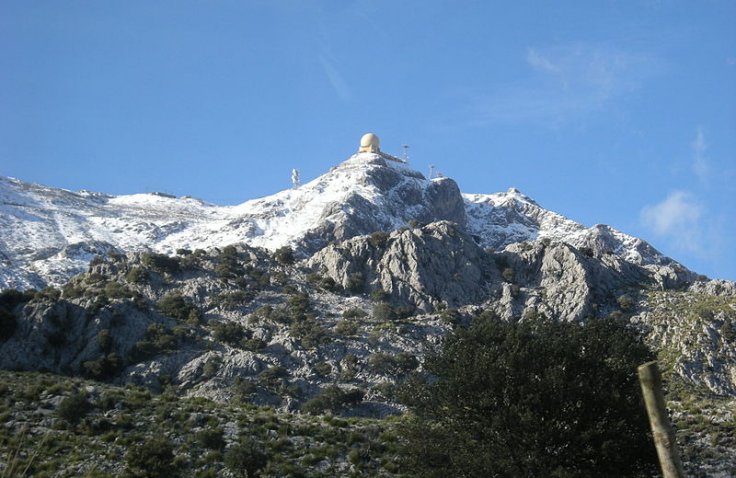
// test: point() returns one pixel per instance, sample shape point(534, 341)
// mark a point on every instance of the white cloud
point(566, 81)
point(700, 165)
point(678, 219)
point(336, 80)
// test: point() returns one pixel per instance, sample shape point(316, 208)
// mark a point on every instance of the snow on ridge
point(49, 234)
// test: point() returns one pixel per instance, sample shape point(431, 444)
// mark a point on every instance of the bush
point(383, 311)
point(284, 255)
point(153, 458)
point(102, 368)
point(8, 324)
point(533, 398)
point(346, 328)
point(332, 399)
point(11, 298)
point(354, 313)
point(625, 303)
point(116, 290)
point(160, 263)
point(73, 408)
point(384, 363)
point(211, 438)
point(246, 459)
point(228, 332)
point(378, 239)
point(355, 283)
point(136, 275)
point(380, 295)
point(156, 339)
point(174, 305)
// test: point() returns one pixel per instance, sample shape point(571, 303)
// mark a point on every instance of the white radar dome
point(369, 143)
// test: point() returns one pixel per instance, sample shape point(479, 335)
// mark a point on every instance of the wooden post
point(664, 438)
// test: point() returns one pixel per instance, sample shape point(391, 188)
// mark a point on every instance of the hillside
point(325, 300)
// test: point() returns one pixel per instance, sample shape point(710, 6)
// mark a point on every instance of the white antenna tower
point(406, 152)
point(295, 181)
point(431, 171)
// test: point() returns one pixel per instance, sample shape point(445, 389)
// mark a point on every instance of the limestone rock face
point(420, 267)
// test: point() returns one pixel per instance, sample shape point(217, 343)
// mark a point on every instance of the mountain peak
point(51, 234)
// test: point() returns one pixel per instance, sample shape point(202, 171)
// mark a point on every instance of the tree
point(73, 408)
point(245, 459)
point(284, 255)
point(153, 458)
point(532, 398)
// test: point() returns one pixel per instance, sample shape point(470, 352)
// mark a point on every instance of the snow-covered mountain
point(50, 234)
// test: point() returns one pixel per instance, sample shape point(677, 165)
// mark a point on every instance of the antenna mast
point(295, 181)
point(406, 152)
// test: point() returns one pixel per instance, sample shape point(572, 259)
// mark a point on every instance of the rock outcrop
point(420, 267)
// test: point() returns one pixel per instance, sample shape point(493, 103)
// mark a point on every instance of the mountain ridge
point(52, 234)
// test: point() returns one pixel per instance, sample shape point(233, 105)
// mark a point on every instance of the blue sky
point(615, 112)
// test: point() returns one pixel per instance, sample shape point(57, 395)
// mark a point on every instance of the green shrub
point(48, 293)
point(332, 399)
point(228, 332)
point(383, 311)
point(176, 306)
point(384, 363)
point(73, 408)
point(323, 369)
point(489, 406)
point(380, 295)
point(378, 239)
point(104, 340)
point(309, 332)
point(156, 339)
point(346, 328)
point(116, 290)
point(154, 458)
point(246, 458)
point(234, 299)
point(8, 324)
point(160, 263)
point(211, 438)
point(625, 303)
point(11, 298)
point(284, 255)
point(102, 368)
point(355, 283)
point(353, 313)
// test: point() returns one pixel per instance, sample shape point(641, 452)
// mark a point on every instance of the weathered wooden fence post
point(664, 437)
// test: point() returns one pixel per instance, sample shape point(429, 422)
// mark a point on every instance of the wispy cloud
point(700, 165)
point(341, 87)
point(677, 219)
point(564, 82)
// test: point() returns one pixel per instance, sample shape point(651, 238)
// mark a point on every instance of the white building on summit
point(369, 143)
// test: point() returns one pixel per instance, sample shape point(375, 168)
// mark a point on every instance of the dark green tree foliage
point(228, 266)
point(9, 300)
point(73, 408)
point(176, 306)
point(246, 459)
point(8, 324)
point(160, 262)
point(284, 255)
point(151, 459)
point(332, 399)
point(530, 399)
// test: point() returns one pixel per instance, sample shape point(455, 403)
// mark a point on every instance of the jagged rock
point(420, 267)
